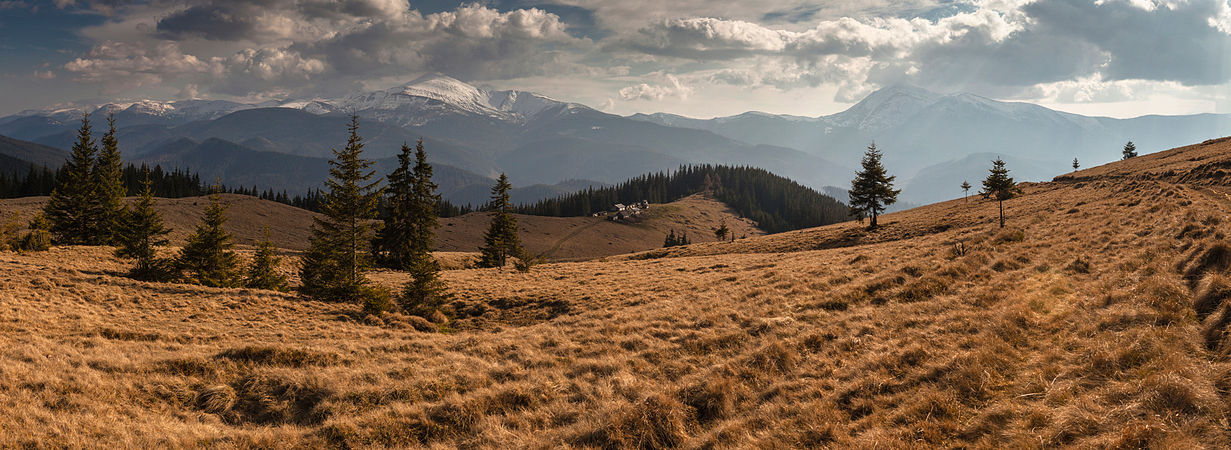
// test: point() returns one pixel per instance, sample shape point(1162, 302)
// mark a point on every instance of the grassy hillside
point(1096, 319)
point(552, 237)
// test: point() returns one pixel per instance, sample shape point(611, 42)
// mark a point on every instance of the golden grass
point(830, 337)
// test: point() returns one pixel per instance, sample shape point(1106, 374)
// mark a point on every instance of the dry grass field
point(1097, 318)
point(554, 238)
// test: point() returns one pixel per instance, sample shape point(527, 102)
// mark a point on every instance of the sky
point(699, 58)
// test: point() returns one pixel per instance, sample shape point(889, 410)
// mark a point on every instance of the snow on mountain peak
point(886, 107)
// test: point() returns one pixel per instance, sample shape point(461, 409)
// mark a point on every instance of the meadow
point(1096, 318)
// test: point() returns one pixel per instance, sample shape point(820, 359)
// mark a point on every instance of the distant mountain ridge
point(538, 140)
point(918, 129)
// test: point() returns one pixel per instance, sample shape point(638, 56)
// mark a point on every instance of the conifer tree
point(73, 203)
point(263, 272)
point(409, 228)
point(721, 232)
point(1075, 164)
point(501, 241)
point(108, 179)
point(332, 268)
point(965, 191)
point(207, 258)
point(999, 186)
point(872, 189)
point(671, 240)
point(141, 233)
point(1130, 150)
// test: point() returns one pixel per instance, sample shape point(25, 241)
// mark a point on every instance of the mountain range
point(931, 141)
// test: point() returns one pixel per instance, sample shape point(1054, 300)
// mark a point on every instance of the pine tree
point(721, 232)
point(263, 272)
point(409, 228)
point(1130, 150)
point(332, 268)
point(207, 257)
point(108, 179)
point(74, 201)
point(501, 241)
point(965, 191)
point(1075, 164)
point(999, 186)
point(140, 233)
point(671, 240)
point(872, 189)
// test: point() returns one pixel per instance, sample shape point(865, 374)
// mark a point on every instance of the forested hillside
point(776, 203)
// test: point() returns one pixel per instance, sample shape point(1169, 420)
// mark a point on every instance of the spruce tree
point(1075, 164)
point(332, 268)
point(501, 241)
point(1130, 150)
point(965, 191)
point(721, 232)
point(410, 226)
point(73, 203)
point(999, 186)
point(872, 189)
point(108, 179)
point(263, 272)
point(207, 258)
point(141, 233)
point(671, 240)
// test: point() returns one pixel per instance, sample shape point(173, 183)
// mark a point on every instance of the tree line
point(87, 207)
point(776, 203)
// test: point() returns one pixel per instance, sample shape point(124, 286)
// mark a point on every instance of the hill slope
point(1097, 319)
point(555, 238)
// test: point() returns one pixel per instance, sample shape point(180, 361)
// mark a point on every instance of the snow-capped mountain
point(885, 108)
point(435, 97)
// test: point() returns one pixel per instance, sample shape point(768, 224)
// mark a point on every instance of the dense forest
point(776, 203)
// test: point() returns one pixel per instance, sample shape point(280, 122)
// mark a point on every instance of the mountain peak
point(886, 107)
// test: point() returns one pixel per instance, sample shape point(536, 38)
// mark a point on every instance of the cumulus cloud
point(287, 45)
point(1064, 50)
point(670, 87)
point(999, 47)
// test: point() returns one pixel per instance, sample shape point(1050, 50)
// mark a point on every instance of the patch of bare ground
point(1097, 319)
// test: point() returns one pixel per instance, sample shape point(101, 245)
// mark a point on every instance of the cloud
point(44, 74)
point(280, 46)
point(997, 47)
point(671, 87)
point(470, 43)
